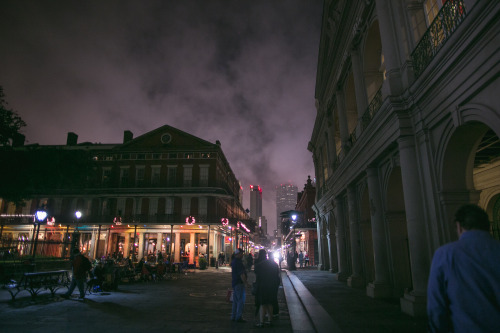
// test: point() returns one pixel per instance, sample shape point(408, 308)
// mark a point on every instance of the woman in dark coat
point(268, 279)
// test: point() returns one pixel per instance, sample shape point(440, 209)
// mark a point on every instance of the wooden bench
point(36, 282)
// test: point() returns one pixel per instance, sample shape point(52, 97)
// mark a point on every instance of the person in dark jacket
point(81, 265)
point(238, 282)
point(267, 278)
point(249, 261)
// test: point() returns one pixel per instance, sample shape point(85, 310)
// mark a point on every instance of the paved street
point(196, 303)
point(192, 303)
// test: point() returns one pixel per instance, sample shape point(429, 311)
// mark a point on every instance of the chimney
point(127, 136)
point(72, 139)
point(18, 140)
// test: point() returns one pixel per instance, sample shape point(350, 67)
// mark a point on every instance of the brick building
point(165, 190)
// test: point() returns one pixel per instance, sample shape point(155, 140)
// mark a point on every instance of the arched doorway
point(398, 234)
point(470, 174)
point(495, 217)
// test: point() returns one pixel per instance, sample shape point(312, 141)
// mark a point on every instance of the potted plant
point(203, 263)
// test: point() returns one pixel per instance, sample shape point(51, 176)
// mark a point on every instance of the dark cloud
point(242, 72)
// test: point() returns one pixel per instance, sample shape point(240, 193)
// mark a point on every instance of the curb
point(301, 303)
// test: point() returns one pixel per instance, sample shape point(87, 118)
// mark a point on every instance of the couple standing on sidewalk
point(267, 279)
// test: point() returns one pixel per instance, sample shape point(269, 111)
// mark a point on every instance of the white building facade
point(406, 131)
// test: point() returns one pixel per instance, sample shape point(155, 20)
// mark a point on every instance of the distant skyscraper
point(286, 199)
point(255, 202)
point(263, 224)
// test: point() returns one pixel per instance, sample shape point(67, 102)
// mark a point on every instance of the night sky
point(241, 72)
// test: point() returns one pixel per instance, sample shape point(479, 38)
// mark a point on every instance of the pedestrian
point(81, 265)
point(220, 259)
point(306, 259)
point(258, 260)
point(267, 278)
point(276, 308)
point(249, 262)
point(301, 259)
point(239, 282)
point(159, 256)
point(463, 293)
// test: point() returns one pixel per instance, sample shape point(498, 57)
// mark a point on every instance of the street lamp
point(75, 238)
point(78, 215)
point(40, 216)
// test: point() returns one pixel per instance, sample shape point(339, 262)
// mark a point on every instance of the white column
point(414, 302)
point(92, 244)
point(141, 245)
point(191, 248)
point(107, 242)
point(381, 286)
point(332, 245)
point(390, 50)
point(321, 263)
point(177, 247)
point(126, 245)
point(159, 243)
point(356, 280)
point(325, 243)
point(341, 243)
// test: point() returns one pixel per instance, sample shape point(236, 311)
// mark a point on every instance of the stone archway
point(469, 172)
point(398, 234)
point(493, 210)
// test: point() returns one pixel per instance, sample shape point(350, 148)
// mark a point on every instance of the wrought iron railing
point(446, 22)
point(372, 109)
point(352, 138)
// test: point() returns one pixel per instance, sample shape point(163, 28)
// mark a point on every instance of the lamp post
point(78, 215)
point(40, 216)
point(75, 239)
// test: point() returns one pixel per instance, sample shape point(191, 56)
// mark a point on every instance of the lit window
point(106, 176)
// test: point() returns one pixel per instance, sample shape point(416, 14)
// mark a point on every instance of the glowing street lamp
point(78, 216)
point(40, 216)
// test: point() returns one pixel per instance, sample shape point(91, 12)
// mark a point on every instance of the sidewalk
point(349, 309)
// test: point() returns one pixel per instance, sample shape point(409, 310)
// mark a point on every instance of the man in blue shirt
point(463, 293)
point(239, 281)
